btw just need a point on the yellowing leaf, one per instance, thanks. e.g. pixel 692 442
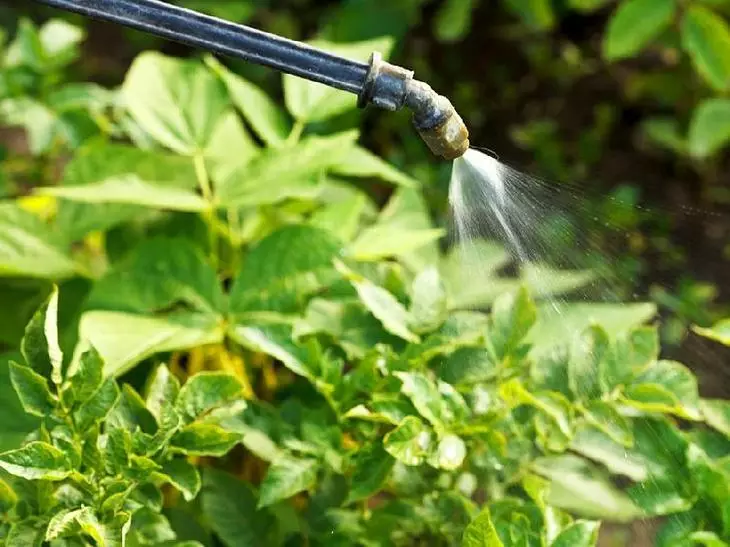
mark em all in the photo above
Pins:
pixel 720 332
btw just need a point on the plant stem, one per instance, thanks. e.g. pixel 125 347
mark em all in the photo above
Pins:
pixel 201 173
pixel 296 133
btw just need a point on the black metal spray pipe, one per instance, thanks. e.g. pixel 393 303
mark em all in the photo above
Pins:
pixel 379 83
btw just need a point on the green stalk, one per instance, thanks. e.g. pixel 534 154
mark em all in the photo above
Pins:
pixel 201 173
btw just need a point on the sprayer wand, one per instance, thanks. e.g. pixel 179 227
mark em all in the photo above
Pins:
pixel 378 82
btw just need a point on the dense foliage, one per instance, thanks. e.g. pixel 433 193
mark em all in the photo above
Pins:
pixel 244 349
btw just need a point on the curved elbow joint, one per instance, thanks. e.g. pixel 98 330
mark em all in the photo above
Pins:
pixel 440 126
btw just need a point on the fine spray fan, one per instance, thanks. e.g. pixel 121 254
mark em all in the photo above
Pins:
pixel 378 82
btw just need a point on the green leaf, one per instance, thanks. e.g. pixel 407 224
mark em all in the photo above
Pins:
pixel 404 229
pixel 98 162
pixel 716 413
pixel 347 323
pixel 26 533
pixel 87 378
pixel 581 489
pixel 183 476
pixel 40 344
pixel 285 478
pixel 152 528
pixel 205 392
pixel 720 332
pixel 8 498
pixel 709 130
pixel 229 505
pixel 454 19
pixel 60 40
pixel 361 163
pixel 481 532
pixel 178 103
pixel 581 533
pixel 467 366
pixel 660 496
pixel 667 386
pixel 160 273
pixel 125 339
pixel 98 405
pixel 462 263
pixel 712 484
pixel 269 122
pixel 708 539
pixel 382 304
pixel 706 37
pixel 410 442
pixel 32 390
pixel 130 413
pixel 390 239
pixel 513 315
pixel 313 102
pixel 205 440
pixel 30 248
pixel 26 49
pixel 587 5
pixel 277 341
pixel 596 445
pixel 553 405
pixel 666 133
pixel 429 308
pixel 36 460
pixel 162 393
pixel 534 13
pixel 15 423
pixel 278 174
pixel 372 466
pixel 634 25
pixel 130 190
pixel 604 417
pixel 341 218
pixel 431 401
pixel 71 523
pixel 282 269
pixel 554 328
pixel 587 357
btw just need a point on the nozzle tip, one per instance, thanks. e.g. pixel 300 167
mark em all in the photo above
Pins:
pixel 449 139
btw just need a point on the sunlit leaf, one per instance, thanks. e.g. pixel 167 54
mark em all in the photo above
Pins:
pixel 177 102
pixel 268 121
pixel 720 332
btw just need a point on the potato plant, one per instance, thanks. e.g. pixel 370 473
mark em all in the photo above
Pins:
pixel 245 349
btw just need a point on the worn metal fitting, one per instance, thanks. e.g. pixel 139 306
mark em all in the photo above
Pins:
pixel 440 126
pixel 437 121
pixel 385 85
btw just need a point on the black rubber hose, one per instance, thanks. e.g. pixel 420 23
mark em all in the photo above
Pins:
pixel 226 38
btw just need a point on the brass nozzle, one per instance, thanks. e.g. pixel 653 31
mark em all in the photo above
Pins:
pixel 437 121
pixel 440 126
pixel 450 138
